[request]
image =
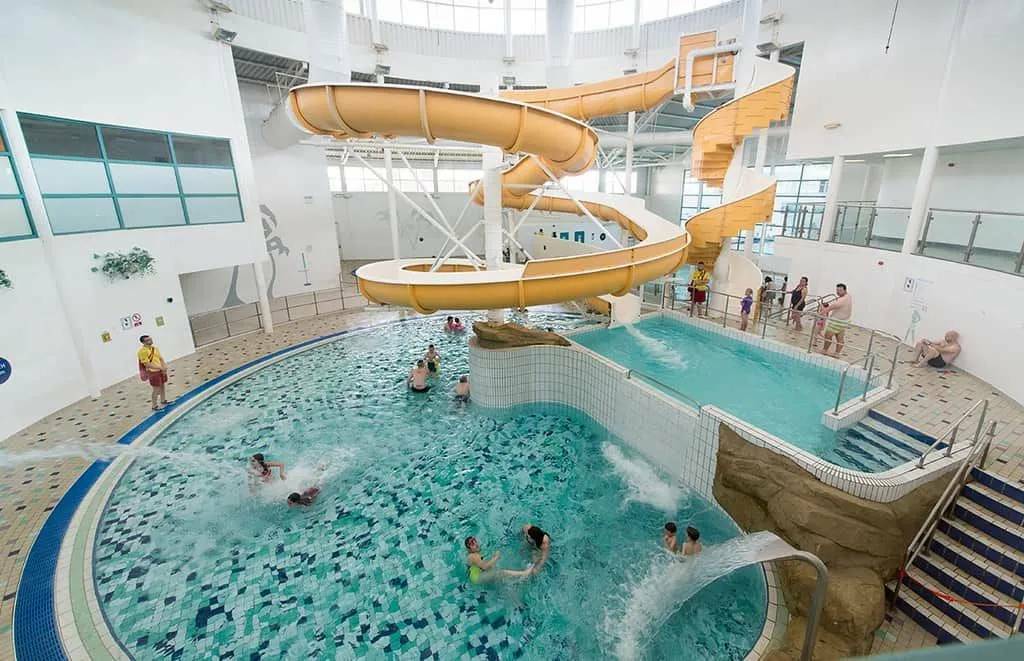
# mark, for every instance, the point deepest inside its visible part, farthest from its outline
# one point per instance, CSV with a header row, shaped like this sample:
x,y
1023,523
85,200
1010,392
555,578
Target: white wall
x,y
890,101
665,191
976,302
143,65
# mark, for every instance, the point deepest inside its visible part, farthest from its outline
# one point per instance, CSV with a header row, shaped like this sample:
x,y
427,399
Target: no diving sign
x,y
133,320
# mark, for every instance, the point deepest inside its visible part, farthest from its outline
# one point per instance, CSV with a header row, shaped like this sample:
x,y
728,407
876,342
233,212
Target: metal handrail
x,y
647,377
982,211
975,458
954,429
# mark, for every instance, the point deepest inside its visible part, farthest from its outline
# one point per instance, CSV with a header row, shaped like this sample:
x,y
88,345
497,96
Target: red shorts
x,y
699,296
157,379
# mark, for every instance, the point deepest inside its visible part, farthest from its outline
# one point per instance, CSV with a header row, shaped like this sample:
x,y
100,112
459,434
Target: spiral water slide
x,y
546,126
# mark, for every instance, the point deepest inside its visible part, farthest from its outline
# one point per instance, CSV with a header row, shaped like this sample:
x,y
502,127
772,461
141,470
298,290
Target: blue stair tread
x,y
999,484
921,612
984,545
989,523
955,581
975,620
909,444
871,461
878,444
996,503
977,565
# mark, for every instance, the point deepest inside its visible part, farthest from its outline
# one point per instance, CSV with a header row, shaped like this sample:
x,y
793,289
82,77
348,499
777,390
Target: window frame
x,y
5,152
114,195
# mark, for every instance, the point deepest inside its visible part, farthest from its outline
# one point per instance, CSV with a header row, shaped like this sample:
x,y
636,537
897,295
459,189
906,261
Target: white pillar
x,y
748,244
630,137
748,41
392,205
492,162
509,52
558,43
34,197
919,205
327,31
263,297
828,217
371,11
762,148
602,179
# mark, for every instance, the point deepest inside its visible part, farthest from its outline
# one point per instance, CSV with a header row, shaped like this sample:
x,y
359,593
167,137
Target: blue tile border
x,y
915,434
998,484
36,635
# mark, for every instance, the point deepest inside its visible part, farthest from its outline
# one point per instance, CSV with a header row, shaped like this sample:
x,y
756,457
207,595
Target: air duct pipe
x,y
327,32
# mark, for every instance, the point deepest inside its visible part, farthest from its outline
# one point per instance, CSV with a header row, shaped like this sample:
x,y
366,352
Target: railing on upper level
x,y
800,221
217,325
990,239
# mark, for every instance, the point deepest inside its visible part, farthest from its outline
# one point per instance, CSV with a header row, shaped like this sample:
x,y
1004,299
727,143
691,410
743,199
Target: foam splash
x,y
222,420
659,349
670,581
305,474
181,461
643,484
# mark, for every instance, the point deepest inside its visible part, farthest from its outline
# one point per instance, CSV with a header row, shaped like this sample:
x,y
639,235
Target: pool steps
x,y
876,444
975,562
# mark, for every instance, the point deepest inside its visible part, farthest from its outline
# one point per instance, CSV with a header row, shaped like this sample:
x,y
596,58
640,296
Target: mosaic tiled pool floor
x,y
189,563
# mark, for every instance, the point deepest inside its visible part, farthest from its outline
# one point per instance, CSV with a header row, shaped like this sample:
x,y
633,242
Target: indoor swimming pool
x,y
772,391
188,560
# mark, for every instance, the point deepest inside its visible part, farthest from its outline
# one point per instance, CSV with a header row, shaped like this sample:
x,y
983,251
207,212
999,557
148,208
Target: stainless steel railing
x,y
867,224
217,325
975,458
949,436
990,239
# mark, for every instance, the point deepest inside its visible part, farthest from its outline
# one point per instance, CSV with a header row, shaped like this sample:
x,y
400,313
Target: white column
x,y
34,197
327,32
558,43
919,205
748,245
509,53
630,137
263,298
828,217
748,41
371,10
492,162
602,179
762,148
392,205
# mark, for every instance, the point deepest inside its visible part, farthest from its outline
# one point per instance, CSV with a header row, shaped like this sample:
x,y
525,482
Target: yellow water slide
x,y
546,126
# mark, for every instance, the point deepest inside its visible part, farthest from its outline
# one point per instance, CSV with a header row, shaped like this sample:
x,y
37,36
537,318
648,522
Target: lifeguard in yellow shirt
x,y
699,288
152,368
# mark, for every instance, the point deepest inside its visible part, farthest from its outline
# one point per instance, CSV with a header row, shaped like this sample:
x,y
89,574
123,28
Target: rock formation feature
x,y
861,542
505,336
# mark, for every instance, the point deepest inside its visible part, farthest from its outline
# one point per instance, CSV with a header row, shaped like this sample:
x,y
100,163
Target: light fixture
x,y
508,81
832,125
224,36
382,69
855,160
895,155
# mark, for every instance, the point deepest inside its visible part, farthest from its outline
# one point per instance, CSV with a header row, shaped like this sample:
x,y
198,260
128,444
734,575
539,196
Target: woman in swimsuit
x,y
541,542
797,302
483,571
259,468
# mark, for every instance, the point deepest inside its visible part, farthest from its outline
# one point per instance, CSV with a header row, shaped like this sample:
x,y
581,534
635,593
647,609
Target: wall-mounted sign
x,y
159,321
105,336
134,320
5,370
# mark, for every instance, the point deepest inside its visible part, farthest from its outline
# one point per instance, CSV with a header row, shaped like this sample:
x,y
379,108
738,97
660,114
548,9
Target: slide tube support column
x,y
492,162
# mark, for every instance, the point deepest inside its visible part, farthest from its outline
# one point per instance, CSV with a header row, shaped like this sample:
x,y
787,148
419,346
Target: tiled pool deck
x,y
927,400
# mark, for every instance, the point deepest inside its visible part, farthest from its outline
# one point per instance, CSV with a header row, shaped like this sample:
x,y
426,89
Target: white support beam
x,y
630,136
474,260
392,204
458,221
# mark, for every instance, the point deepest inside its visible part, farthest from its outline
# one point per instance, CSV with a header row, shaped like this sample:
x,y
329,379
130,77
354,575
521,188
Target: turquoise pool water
x,y
189,564
781,395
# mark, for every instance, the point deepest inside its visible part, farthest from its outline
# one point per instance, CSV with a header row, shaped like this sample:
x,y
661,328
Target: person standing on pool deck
x,y
483,571
765,298
839,312
541,542
692,546
797,302
152,368
745,304
433,359
698,288
418,377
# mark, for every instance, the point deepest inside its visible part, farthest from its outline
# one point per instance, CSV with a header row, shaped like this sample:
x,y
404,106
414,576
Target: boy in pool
x,y
483,571
668,537
418,377
433,360
304,499
692,546
462,389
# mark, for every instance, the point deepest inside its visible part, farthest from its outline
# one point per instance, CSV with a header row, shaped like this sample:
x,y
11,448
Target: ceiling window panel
x,y
444,17
414,12
492,21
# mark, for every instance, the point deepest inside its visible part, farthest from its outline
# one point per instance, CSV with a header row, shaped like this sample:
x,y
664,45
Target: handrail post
x,y
810,331
952,439
817,602
227,324
1020,262
871,342
871,225
785,216
867,381
839,394
316,307
764,318
981,423
924,233
991,433
892,367
970,241
725,311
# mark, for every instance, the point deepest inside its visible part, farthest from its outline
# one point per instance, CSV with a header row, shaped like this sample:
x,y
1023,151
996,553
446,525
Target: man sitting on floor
x,y
940,353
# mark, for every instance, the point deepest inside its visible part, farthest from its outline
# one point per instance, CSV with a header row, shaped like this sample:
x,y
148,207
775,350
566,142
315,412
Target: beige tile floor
x,y
29,490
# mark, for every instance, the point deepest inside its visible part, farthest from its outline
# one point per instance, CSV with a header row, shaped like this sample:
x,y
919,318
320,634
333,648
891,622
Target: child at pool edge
x,y
433,360
745,304
462,389
483,571
668,537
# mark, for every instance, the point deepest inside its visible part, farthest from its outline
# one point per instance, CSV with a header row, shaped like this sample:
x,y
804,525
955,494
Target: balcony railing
x,y
867,224
991,239
801,221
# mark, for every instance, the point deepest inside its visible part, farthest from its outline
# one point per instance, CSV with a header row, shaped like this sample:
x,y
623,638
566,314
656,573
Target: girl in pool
x,y
540,541
260,468
483,571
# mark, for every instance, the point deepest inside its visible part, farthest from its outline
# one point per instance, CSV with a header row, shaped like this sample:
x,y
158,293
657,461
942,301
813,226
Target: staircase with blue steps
x,y
968,583
877,443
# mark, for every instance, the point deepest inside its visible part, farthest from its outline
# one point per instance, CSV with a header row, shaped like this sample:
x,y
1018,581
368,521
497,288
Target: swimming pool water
x,y
779,394
188,564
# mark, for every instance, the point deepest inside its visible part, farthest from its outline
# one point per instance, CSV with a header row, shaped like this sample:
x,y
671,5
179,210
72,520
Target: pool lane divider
x,y
37,635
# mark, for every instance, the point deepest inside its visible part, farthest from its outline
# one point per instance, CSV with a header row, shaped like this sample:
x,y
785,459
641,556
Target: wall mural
x,y
275,248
